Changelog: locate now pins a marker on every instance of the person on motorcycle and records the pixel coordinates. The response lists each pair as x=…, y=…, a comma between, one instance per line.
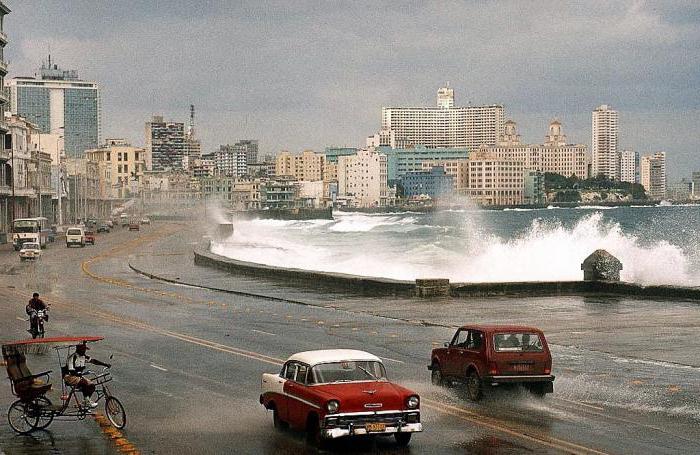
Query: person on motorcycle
x=76, y=367
x=35, y=304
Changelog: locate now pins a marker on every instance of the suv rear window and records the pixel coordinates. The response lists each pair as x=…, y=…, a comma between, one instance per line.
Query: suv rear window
x=517, y=342
x=73, y=232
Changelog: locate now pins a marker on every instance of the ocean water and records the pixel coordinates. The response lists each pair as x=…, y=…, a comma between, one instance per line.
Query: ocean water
x=657, y=245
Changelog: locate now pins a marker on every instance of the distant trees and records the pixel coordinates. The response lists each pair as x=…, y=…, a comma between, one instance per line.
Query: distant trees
x=554, y=182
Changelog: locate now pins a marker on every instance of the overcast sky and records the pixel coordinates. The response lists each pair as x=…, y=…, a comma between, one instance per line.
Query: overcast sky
x=299, y=75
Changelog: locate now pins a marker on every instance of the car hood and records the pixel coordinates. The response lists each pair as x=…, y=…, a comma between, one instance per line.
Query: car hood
x=366, y=396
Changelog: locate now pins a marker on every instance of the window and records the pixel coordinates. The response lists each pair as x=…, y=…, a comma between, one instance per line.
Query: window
x=290, y=371
x=475, y=340
x=460, y=339
x=517, y=342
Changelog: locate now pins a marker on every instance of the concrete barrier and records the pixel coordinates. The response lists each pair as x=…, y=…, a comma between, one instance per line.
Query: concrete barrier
x=424, y=287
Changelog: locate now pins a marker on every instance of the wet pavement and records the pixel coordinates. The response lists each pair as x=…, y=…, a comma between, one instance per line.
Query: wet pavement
x=187, y=361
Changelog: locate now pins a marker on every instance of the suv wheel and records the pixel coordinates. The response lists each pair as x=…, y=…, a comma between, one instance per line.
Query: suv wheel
x=474, y=391
x=436, y=375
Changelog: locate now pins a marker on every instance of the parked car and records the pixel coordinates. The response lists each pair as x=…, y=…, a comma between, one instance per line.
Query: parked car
x=104, y=227
x=145, y=220
x=90, y=237
x=487, y=356
x=340, y=392
x=75, y=236
x=133, y=226
x=30, y=250
x=53, y=233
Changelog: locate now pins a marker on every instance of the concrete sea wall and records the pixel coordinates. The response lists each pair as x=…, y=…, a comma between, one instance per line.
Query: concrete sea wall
x=435, y=287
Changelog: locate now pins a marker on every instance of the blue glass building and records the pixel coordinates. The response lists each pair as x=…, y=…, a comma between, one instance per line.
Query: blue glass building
x=434, y=183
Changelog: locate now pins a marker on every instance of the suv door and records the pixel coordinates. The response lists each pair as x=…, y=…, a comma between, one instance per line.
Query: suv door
x=454, y=354
x=473, y=352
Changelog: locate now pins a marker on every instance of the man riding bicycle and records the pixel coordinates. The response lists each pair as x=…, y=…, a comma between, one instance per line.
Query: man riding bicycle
x=35, y=304
x=76, y=368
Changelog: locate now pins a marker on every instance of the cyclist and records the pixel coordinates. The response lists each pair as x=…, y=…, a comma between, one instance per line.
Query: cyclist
x=76, y=367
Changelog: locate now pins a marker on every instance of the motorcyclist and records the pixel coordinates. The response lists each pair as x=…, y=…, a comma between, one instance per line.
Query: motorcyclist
x=35, y=304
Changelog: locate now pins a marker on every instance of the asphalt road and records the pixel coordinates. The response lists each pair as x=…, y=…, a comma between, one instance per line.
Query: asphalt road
x=187, y=361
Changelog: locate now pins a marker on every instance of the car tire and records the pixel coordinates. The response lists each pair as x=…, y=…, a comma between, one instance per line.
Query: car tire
x=313, y=434
x=277, y=422
x=436, y=375
x=402, y=439
x=474, y=386
x=537, y=390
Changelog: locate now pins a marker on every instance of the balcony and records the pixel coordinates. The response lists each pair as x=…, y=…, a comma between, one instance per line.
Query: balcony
x=3, y=37
x=3, y=66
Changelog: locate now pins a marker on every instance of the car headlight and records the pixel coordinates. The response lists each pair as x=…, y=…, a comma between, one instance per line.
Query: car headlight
x=332, y=406
x=412, y=402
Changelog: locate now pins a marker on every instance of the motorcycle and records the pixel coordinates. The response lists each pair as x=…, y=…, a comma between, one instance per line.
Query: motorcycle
x=36, y=323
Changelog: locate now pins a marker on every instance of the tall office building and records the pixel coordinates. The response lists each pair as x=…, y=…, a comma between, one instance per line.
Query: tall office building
x=251, y=149
x=56, y=100
x=604, y=142
x=629, y=166
x=230, y=161
x=442, y=126
x=165, y=144
x=653, y=175
x=5, y=166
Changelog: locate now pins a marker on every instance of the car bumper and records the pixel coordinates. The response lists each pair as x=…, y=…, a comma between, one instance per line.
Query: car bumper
x=333, y=433
x=355, y=424
x=520, y=379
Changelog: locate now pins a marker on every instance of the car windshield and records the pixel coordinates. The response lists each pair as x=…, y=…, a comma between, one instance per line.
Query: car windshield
x=73, y=232
x=347, y=371
x=517, y=342
x=30, y=246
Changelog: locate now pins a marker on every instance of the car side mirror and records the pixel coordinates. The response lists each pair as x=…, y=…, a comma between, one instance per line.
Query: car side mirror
x=446, y=344
x=111, y=356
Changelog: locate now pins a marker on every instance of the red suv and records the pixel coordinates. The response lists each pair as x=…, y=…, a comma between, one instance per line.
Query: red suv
x=484, y=356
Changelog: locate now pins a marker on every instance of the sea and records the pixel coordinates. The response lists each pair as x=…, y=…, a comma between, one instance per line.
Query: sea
x=656, y=244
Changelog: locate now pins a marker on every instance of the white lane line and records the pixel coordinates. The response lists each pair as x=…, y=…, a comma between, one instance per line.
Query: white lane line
x=392, y=360
x=20, y=319
x=580, y=403
x=164, y=393
x=264, y=333
x=158, y=367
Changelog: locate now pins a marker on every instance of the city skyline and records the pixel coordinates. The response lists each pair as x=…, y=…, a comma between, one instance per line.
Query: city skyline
x=318, y=75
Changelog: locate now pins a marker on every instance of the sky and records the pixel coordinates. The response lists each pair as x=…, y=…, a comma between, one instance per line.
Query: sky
x=305, y=75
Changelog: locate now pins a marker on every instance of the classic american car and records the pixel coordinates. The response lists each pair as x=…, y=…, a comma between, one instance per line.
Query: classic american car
x=339, y=392
x=486, y=356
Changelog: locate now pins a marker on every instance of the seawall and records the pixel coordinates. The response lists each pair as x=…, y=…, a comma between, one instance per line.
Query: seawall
x=387, y=287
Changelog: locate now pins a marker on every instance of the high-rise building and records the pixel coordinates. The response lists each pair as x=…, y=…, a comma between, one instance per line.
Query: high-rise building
x=696, y=184
x=555, y=155
x=57, y=100
x=5, y=168
x=363, y=178
x=492, y=180
x=442, y=126
x=629, y=166
x=121, y=167
x=251, y=149
x=653, y=175
x=165, y=144
x=231, y=161
x=604, y=142
x=306, y=166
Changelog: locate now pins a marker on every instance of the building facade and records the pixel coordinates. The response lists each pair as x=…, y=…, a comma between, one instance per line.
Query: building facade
x=555, y=155
x=165, y=145
x=653, y=175
x=494, y=181
x=604, y=129
x=629, y=166
x=5, y=166
x=307, y=165
x=403, y=160
x=57, y=99
x=332, y=153
x=434, y=182
x=695, y=178
x=230, y=161
x=363, y=177
x=442, y=126
x=121, y=167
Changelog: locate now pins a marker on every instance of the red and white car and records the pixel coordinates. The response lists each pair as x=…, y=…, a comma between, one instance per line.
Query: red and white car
x=340, y=392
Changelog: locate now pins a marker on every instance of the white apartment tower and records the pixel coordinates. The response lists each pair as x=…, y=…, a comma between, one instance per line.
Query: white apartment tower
x=628, y=166
x=363, y=176
x=653, y=175
x=604, y=142
x=443, y=125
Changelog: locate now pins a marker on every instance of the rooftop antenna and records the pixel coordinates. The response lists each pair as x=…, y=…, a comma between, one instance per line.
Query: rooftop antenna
x=190, y=128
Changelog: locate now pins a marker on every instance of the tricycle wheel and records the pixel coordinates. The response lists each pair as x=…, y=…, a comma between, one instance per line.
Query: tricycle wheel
x=115, y=412
x=21, y=417
x=45, y=418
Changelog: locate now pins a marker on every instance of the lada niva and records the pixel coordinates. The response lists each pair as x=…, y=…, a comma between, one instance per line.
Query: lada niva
x=487, y=356
x=340, y=392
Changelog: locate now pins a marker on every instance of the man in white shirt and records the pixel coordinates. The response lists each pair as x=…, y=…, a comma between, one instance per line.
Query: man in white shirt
x=76, y=367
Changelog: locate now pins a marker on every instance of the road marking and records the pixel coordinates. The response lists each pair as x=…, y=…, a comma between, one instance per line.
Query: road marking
x=20, y=319
x=157, y=367
x=164, y=393
x=392, y=360
x=580, y=403
x=264, y=333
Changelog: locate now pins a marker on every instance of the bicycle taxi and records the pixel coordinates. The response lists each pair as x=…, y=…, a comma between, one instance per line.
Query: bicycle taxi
x=33, y=409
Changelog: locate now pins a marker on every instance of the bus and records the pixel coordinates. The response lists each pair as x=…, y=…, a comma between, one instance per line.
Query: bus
x=30, y=230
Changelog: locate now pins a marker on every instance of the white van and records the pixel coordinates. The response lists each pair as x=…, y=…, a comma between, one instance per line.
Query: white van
x=75, y=236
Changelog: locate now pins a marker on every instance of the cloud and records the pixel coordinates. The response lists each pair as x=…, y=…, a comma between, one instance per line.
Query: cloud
x=309, y=74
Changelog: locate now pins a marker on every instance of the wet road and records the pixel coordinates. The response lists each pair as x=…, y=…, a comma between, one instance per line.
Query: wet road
x=187, y=361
